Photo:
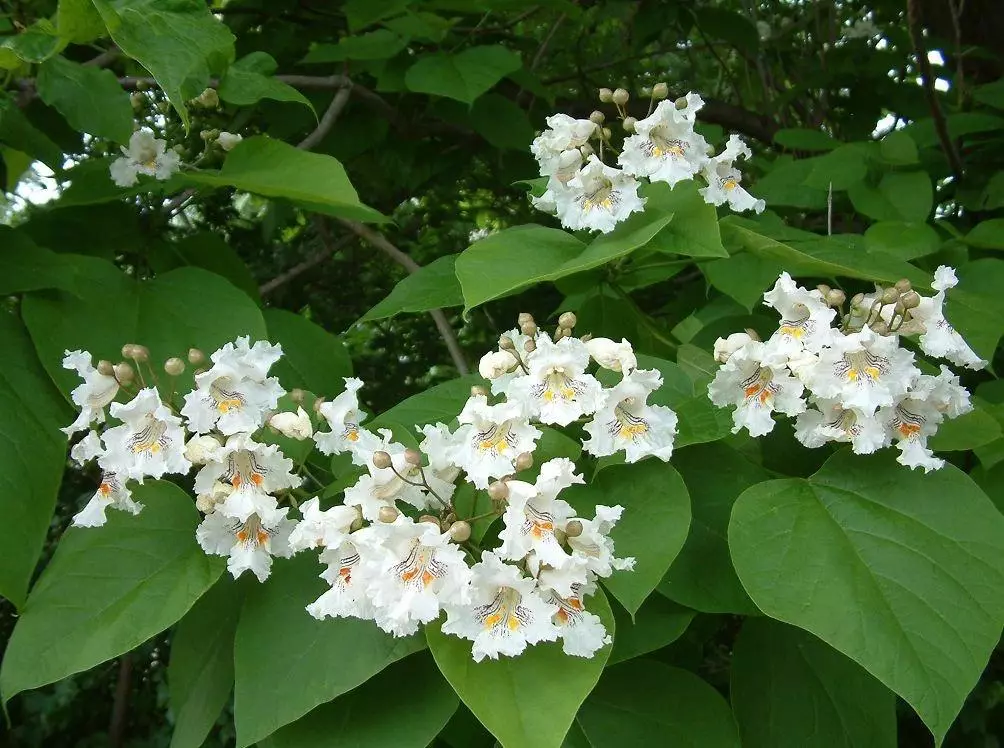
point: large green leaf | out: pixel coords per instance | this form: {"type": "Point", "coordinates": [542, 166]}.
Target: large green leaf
{"type": "Point", "coordinates": [313, 359]}
{"type": "Point", "coordinates": [527, 701]}
{"type": "Point", "coordinates": [249, 80]}
{"type": "Point", "coordinates": [180, 42]}
{"type": "Point", "coordinates": [34, 44]}
{"type": "Point", "coordinates": [902, 572]}
{"type": "Point", "coordinates": [976, 307]}
{"type": "Point", "coordinates": [178, 310]}
{"type": "Point", "coordinates": [360, 717]}
{"type": "Point", "coordinates": [987, 234]}
{"type": "Point", "coordinates": [702, 576]}
{"type": "Point", "coordinates": [463, 76]}
{"type": "Point", "coordinates": [658, 622]}
{"type": "Point", "coordinates": [200, 673]}
{"type": "Point", "coordinates": [25, 266]}
{"type": "Point", "coordinates": [644, 702]}
{"type": "Point", "coordinates": [287, 662]}
{"type": "Point", "coordinates": [79, 21]}
{"type": "Point", "coordinates": [899, 196]}
{"type": "Point", "coordinates": [900, 239]}
{"type": "Point", "coordinates": [440, 403]}
{"type": "Point", "coordinates": [273, 168]}
{"type": "Point", "coordinates": [842, 167]}
{"type": "Point", "coordinates": [435, 286]}
{"type": "Point", "coordinates": [204, 250]}
{"type": "Point", "coordinates": [744, 277]}
{"type": "Point", "coordinates": [789, 688]}
{"type": "Point", "coordinates": [975, 429]}
{"type": "Point", "coordinates": [32, 454]}
{"type": "Point", "coordinates": [109, 589]}
{"type": "Point", "coordinates": [18, 133]}
{"type": "Point", "coordinates": [373, 45]}
{"type": "Point", "coordinates": [694, 228]}
{"type": "Point", "coordinates": [800, 139]}
{"type": "Point", "coordinates": [652, 529]}
{"type": "Point", "coordinates": [91, 99]}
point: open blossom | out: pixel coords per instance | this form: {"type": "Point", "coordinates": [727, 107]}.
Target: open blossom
{"type": "Point", "coordinates": [563, 134]}
{"type": "Point", "coordinates": [345, 434]}
{"type": "Point", "coordinates": [145, 155]}
{"type": "Point", "coordinates": [507, 612]}
{"type": "Point", "coordinates": [228, 140]}
{"type": "Point", "coordinates": [348, 594]}
{"type": "Point", "coordinates": [805, 316]}
{"type": "Point", "coordinates": [829, 421]}
{"type": "Point", "coordinates": [533, 513]}
{"type": "Point", "coordinates": [112, 493]}
{"type": "Point", "coordinates": [724, 179]}
{"type": "Point", "coordinates": [627, 422]}
{"type": "Point", "coordinates": [490, 438]}
{"type": "Point", "coordinates": [236, 393]}
{"type": "Point", "coordinates": [557, 389]}
{"type": "Point", "coordinates": [402, 481]}
{"type": "Point", "coordinates": [665, 147]}
{"type": "Point", "coordinates": [87, 448]}
{"type": "Point", "coordinates": [150, 441]}
{"type": "Point", "coordinates": [592, 548]}
{"type": "Point", "coordinates": [582, 633]}
{"type": "Point", "coordinates": [725, 347]}
{"type": "Point", "coordinates": [249, 543]}
{"type": "Point", "coordinates": [611, 355]}
{"type": "Point", "coordinates": [92, 396]}
{"type": "Point", "coordinates": [757, 381]}
{"type": "Point", "coordinates": [938, 337]}
{"type": "Point", "coordinates": [327, 528]}
{"type": "Point", "coordinates": [598, 198]}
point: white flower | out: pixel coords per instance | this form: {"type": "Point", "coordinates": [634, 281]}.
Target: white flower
{"type": "Point", "coordinates": [626, 421]}
{"type": "Point", "coordinates": [345, 435]}
{"type": "Point", "coordinates": [112, 492]}
{"type": "Point", "coordinates": [725, 347]}
{"type": "Point", "coordinates": [441, 446]}
{"type": "Point", "coordinates": [598, 198]}
{"type": "Point", "coordinates": [202, 449]}
{"type": "Point", "coordinates": [863, 371]}
{"type": "Point", "coordinates": [944, 278]}
{"type": "Point", "coordinates": [501, 383]}
{"type": "Point", "coordinates": [534, 511]}
{"type": "Point", "coordinates": [805, 317]}
{"type": "Point", "coordinates": [613, 356]}
{"type": "Point", "coordinates": [236, 393]}
{"type": "Point", "coordinates": [294, 425]}
{"type": "Point", "coordinates": [861, 29]}
{"type": "Point", "coordinates": [756, 380]}
{"type": "Point", "coordinates": [944, 392]}
{"type": "Point", "coordinates": [506, 613]}
{"type": "Point", "coordinates": [145, 155]}
{"type": "Point", "coordinates": [87, 448]}
{"type": "Point", "coordinates": [347, 597]}
{"type": "Point", "coordinates": [96, 392]}
{"type": "Point", "coordinates": [582, 633]}
{"type": "Point", "coordinates": [401, 482]}
{"type": "Point", "coordinates": [593, 546]}
{"type": "Point", "coordinates": [417, 572]}
{"type": "Point", "coordinates": [723, 179]}
{"type": "Point", "coordinates": [938, 337]}
{"type": "Point", "coordinates": [496, 363]}
{"type": "Point", "coordinates": [829, 421]}
{"type": "Point", "coordinates": [150, 441]}
{"type": "Point", "coordinates": [251, 543]}
{"type": "Point", "coordinates": [254, 470]}
{"type": "Point", "coordinates": [665, 147]}
{"type": "Point", "coordinates": [563, 133]}
{"type": "Point", "coordinates": [763, 30]}
{"type": "Point", "coordinates": [557, 389]}
{"type": "Point", "coordinates": [327, 528]}
{"type": "Point", "coordinates": [911, 422]}
{"type": "Point", "coordinates": [490, 439]}
{"type": "Point", "coordinates": [228, 140]}
{"type": "Point", "coordinates": [208, 500]}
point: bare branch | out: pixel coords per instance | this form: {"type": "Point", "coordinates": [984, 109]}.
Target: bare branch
{"type": "Point", "coordinates": [329, 249]}
{"type": "Point", "coordinates": [328, 119]}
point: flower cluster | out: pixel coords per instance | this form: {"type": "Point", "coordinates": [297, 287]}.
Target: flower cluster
{"type": "Point", "coordinates": [587, 193]}
{"type": "Point", "coordinates": [151, 157]}
{"type": "Point", "coordinates": [853, 383]}
{"type": "Point", "coordinates": [396, 548]}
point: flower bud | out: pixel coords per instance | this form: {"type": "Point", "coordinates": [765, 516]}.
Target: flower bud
{"type": "Point", "coordinates": [505, 343]}
{"type": "Point", "coordinates": [524, 461]}
{"type": "Point", "coordinates": [725, 347]}
{"type": "Point", "coordinates": [478, 391]}
{"type": "Point", "coordinates": [228, 140]}
{"type": "Point", "coordinates": [123, 373]}
{"type": "Point", "coordinates": [523, 318]}
{"type": "Point", "coordinates": [605, 133]}
{"type": "Point", "coordinates": [835, 297]}
{"type": "Point", "coordinates": [879, 327]}
{"type": "Point", "coordinates": [560, 535]}
{"type": "Point", "coordinates": [498, 491]}
{"type": "Point", "coordinates": [318, 403]}
{"type": "Point", "coordinates": [610, 355]}
{"type": "Point", "coordinates": [528, 328]}
{"type": "Point", "coordinates": [660, 91]}
{"type": "Point", "coordinates": [857, 300]}
{"type": "Point", "coordinates": [573, 529]}
{"type": "Point", "coordinates": [597, 117]}
{"type": "Point", "coordinates": [163, 107]}
{"type": "Point", "coordinates": [496, 363]}
{"type": "Point", "coordinates": [823, 289]}
{"type": "Point", "coordinates": [529, 346]}
{"type": "Point", "coordinates": [208, 99]}
{"type": "Point", "coordinates": [628, 124]}
{"type": "Point", "coordinates": [196, 357]}
{"type": "Point", "coordinates": [620, 97]}
{"type": "Point", "coordinates": [413, 457]}
{"type": "Point", "coordinates": [460, 532]}
{"type": "Point", "coordinates": [567, 319]}
{"type": "Point", "coordinates": [381, 460]}
{"type": "Point", "coordinates": [911, 299]}
{"type": "Point", "coordinates": [201, 449]}
{"type": "Point", "coordinates": [560, 333]}
{"type": "Point", "coordinates": [890, 296]}
{"type": "Point", "coordinates": [294, 425]}
{"type": "Point", "coordinates": [903, 285]}
{"type": "Point", "coordinates": [606, 95]}
{"type": "Point", "coordinates": [388, 514]}
{"type": "Point", "coordinates": [106, 368]}
{"type": "Point", "coordinates": [430, 519]}
{"type": "Point", "coordinates": [174, 366]}
{"type": "Point", "coordinates": [586, 150]}
{"type": "Point", "coordinates": [217, 494]}
{"type": "Point", "coordinates": [297, 395]}
{"type": "Point", "coordinates": [681, 103]}
{"type": "Point", "coordinates": [137, 100]}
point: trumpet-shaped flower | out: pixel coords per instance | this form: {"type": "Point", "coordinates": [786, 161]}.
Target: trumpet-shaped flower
{"type": "Point", "coordinates": [582, 633]}
{"type": "Point", "coordinates": [805, 317]}
{"type": "Point", "coordinates": [627, 422]}
{"type": "Point", "coordinates": [724, 179]}
{"type": "Point", "coordinates": [111, 493]}
{"type": "Point", "coordinates": [534, 512]}
{"type": "Point", "coordinates": [563, 134]}
{"type": "Point", "coordinates": [92, 396]}
{"type": "Point", "coordinates": [613, 356]}
{"type": "Point", "coordinates": [347, 596]}
{"type": "Point", "coordinates": [557, 389]}
{"type": "Point", "coordinates": [593, 546]}
{"type": "Point", "coordinates": [664, 146]}
{"type": "Point", "coordinates": [344, 416]}
{"type": "Point", "coordinates": [150, 441]}
{"type": "Point", "coordinates": [829, 421]}
{"type": "Point", "coordinates": [250, 543]}
{"type": "Point", "coordinates": [322, 528]}
{"type": "Point", "coordinates": [145, 155]}
{"type": "Point", "coordinates": [490, 438]}
{"type": "Point", "coordinates": [598, 198]}
{"type": "Point", "coordinates": [938, 338]}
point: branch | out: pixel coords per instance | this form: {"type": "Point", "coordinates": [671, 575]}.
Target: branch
{"type": "Point", "coordinates": [120, 704]}
{"type": "Point", "coordinates": [543, 45]}
{"type": "Point", "coordinates": [927, 81]}
{"type": "Point", "coordinates": [378, 240]}
{"type": "Point", "coordinates": [329, 250]}
{"type": "Point", "coordinates": [328, 119]}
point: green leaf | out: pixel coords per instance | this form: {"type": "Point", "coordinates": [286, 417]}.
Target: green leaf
{"type": "Point", "coordinates": [78, 21]}
{"type": "Point", "coordinates": [987, 234]}
{"type": "Point", "coordinates": [975, 307]}
{"type": "Point", "coordinates": [109, 589]}
{"type": "Point", "coordinates": [106, 231]}
{"type": "Point", "coordinates": [644, 702]}
{"type": "Point", "coordinates": [501, 122]}
{"type": "Point", "coordinates": [249, 80]}
{"type": "Point", "coordinates": [992, 196]}
{"type": "Point", "coordinates": [207, 251]}
{"type": "Point", "coordinates": [800, 139]}
{"type": "Point", "coordinates": [701, 421]}
{"type": "Point", "coordinates": [652, 529]}
{"type": "Point", "coordinates": [91, 99]}
{"type": "Point", "coordinates": [18, 133]}
{"type": "Point", "coordinates": [182, 309]}
{"type": "Point", "coordinates": [906, 241]}
{"type": "Point", "coordinates": [784, 185]}
{"type": "Point", "coordinates": [363, 13]}
{"type": "Point", "coordinates": [35, 44]}
{"type": "Point", "coordinates": [702, 576]}
{"type": "Point", "coordinates": [313, 359]}
{"type": "Point", "coordinates": [200, 672]}
{"type": "Point", "coordinates": [24, 266]}
{"type": "Point", "coordinates": [694, 229]}
{"type": "Point", "coordinates": [527, 701]}
{"type": "Point", "coordinates": [180, 42]}
{"type": "Point", "coordinates": [273, 168]}
{"type": "Point", "coordinates": [440, 403]}
{"type": "Point", "coordinates": [842, 167]}
{"type": "Point", "coordinates": [900, 196]}
{"type": "Point", "coordinates": [872, 559]}
{"type": "Point", "coordinates": [359, 718]}
{"type": "Point", "coordinates": [373, 45]}
{"type": "Point", "coordinates": [286, 662]}
{"type": "Point", "coordinates": [730, 26]}
{"type": "Point", "coordinates": [657, 623]}
{"type": "Point", "coordinates": [744, 277]}
{"type": "Point", "coordinates": [789, 688]}
{"type": "Point", "coordinates": [899, 149]}
{"type": "Point", "coordinates": [435, 286]}
{"type": "Point", "coordinates": [463, 76]}
{"type": "Point", "coordinates": [32, 456]}
{"type": "Point", "coordinates": [974, 429]}
{"type": "Point", "coordinates": [420, 26]}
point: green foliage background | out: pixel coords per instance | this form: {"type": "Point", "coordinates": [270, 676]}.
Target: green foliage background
{"type": "Point", "coordinates": [852, 601]}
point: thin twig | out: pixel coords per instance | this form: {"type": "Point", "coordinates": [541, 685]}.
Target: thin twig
{"type": "Point", "coordinates": [927, 82]}
{"type": "Point", "coordinates": [378, 240]}
{"type": "Point", "coordinates": [329, 249]}
{"type": "Point", "coordinates": [105, 58]}
{"type": "Point", "coordinates": [327, 119]}
{"type": "Point", "coordinates": [543, 45]}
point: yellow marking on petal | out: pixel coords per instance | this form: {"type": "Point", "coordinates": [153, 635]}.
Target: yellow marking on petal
{"type": "Point", "coordinates": [225, 406]}
{"type": "Point", "coordinates": [907, 430]}
{"type": "Point", "coordinates": [730, 184]}
{"type": "Point", "coordinates": [632, 430]}
{"type": "Point", "coordinates": [493, 620]}
{"type": "Point", "coordinates": [795, 332]}
{"type": "Point", "coordinates": [104, 489]}
{"type": "Point", "coordinates": [352, 436]}
{"type": "Point", "coordinates": [872, 372]}
{"type": "Point", "coordinates": [513, 623]}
